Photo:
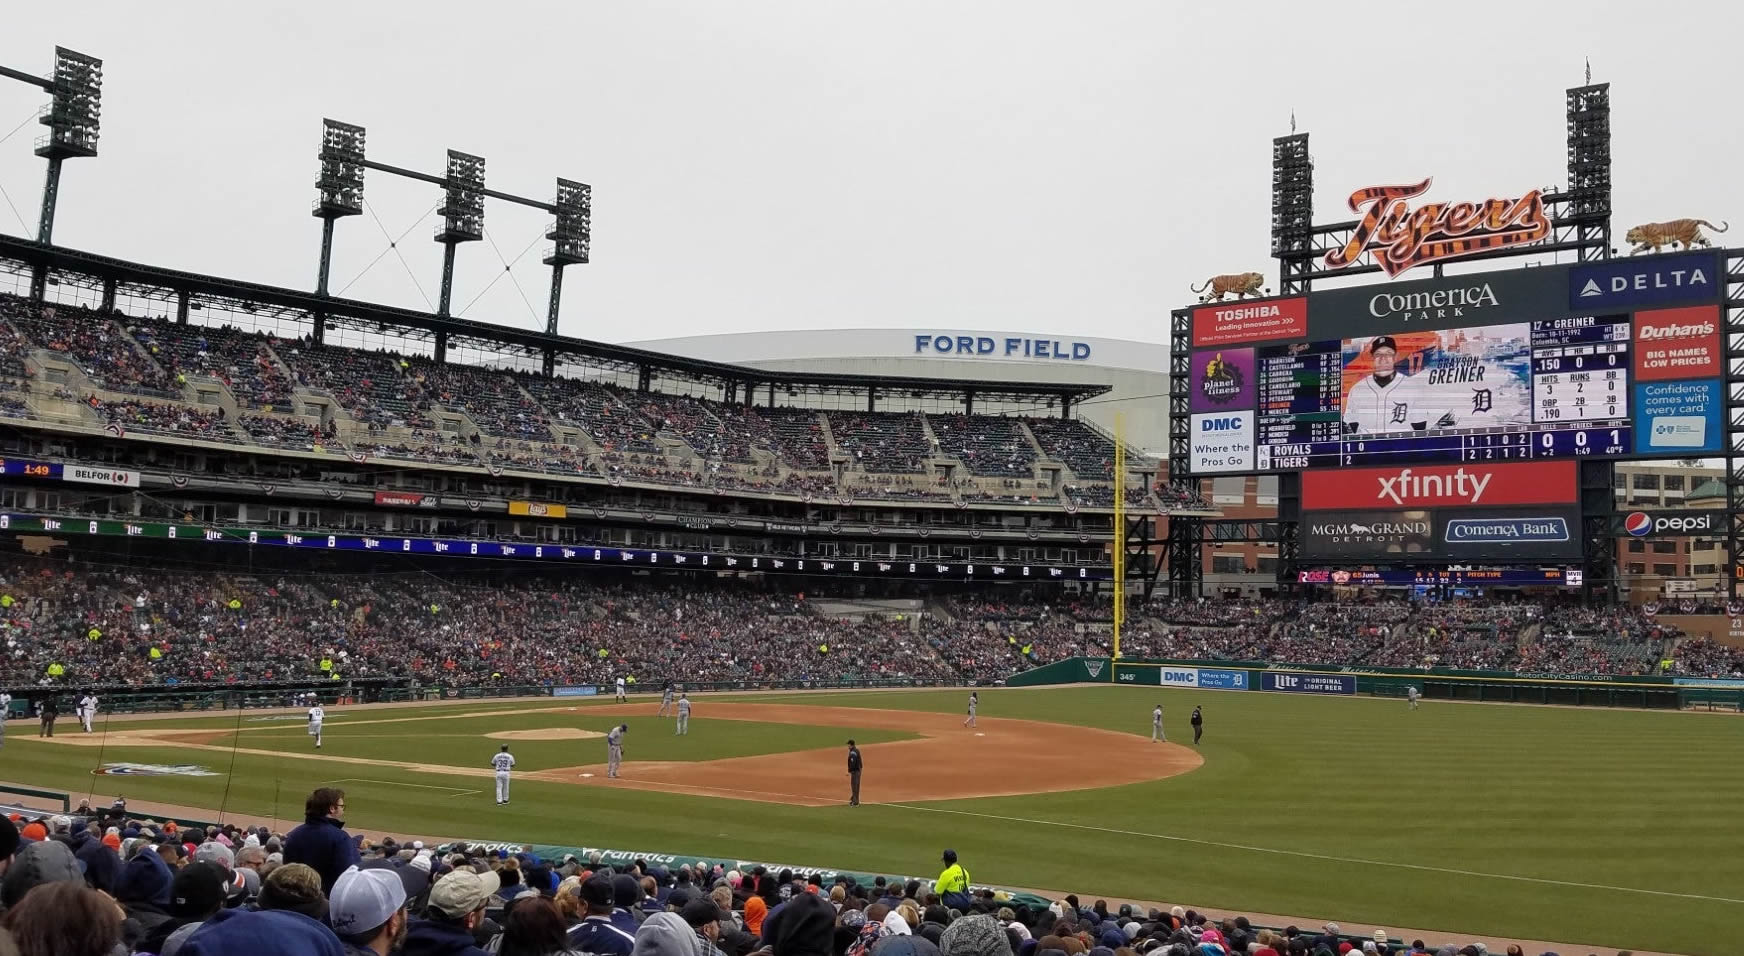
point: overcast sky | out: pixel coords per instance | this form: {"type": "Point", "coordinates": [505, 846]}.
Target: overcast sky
{"type": "Point", "coordinates": [1062, 168]}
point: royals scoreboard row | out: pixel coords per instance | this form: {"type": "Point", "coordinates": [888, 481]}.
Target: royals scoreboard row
{"type": "Point", "coordinates": [1620, 358]}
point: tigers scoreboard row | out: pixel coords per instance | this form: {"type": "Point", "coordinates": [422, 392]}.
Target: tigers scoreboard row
{"type": "Point", "coordinates": [1620, 358]}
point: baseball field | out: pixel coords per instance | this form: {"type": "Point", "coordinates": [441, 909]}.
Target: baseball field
{"type": "Point", "coordinates": [1604, 827]}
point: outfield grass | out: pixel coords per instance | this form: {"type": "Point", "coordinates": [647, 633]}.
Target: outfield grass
{"type": "Point", "coordinates": [1583, 825]}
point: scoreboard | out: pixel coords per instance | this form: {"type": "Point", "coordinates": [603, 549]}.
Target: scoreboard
{"type": "Point", "coordinates": [1542, 363]}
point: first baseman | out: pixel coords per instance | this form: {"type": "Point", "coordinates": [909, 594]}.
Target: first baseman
{"type": "Point", "coordinates": [615, 749]}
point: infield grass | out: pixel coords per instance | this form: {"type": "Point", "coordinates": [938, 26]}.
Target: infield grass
{"type": "Point", "coordinates": [1612, 827]}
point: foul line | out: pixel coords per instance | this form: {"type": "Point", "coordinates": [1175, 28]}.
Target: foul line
{"type": "Point", "coordinates": [1322, 856]}
{"type": "Point", "coordinates": [458, 791]}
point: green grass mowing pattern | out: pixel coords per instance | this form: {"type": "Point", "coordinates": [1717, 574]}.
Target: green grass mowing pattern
{"type": "Point", "coordinates": [1611, 797]}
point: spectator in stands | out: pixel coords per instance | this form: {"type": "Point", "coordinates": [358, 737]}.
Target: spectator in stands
{"type": "Point", "coordinates": [534, 927]}
{"type": "Point", "coordinates": [367, 911]}
{"type": "Point", "coordinates": [321, 842]}
{"type": "Point", "coordinates": [262, 932]}
{"type": "Point", "coordinates": [457, 904]}
{"type": "Point", "coordinates": [63, 918]}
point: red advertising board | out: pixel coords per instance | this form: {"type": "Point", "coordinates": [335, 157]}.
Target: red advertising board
{"type": "Point", "coordinates": [1677, 343]}
{"type": "Point", "coordinates": [1238, 321]}
{"type": "Point", "coordinates": [405, 499]}
{"type": "Point", "coordinates": [1440, 486]}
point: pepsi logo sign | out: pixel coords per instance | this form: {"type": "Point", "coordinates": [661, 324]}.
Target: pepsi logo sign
{"type": "Point", "coordinates": [1638, 524]}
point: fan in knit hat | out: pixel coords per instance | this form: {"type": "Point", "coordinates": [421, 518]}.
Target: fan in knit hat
{"type": "Point", "coordinates": [975, 936]}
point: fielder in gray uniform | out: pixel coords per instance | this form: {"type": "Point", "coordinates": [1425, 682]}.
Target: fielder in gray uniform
{"type": "Point", "coordinates": [683, 715]}
{"type": "Point", "coordinates": [1157, 725]}
{"type": "Point", "coordinates": [974, 701]}
{"type": "Point", "coordinates": [615, 749]}
{"type": "Point", "coordinates": [665, 700]}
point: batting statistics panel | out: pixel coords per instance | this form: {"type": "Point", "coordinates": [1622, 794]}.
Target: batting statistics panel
{"type": "Point", "coordinates": [1613, 359]}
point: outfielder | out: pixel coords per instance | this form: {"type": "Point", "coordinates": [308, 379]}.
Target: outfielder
{"type": "Point", "coordinates": [503, 761]}
{"type": "Point", "coordinates": [974, 700]}
{"type": "Point", "coordinates": [615, 749]}
{"type": "Point", "coordinates": [87, 711]}
{"type": "Point", "coordinates": [665, 700]}
{"type": "Point", "coordinates": [621, 696]}
{"type": "Point", "coordinates": [1411, 695]}
{"type": "Point", "coordinates": [5, 712]}
{"type": "Point", "coordinates": [683, 715]}
{"type": "Point", "coordinates": [1157, 725]}
{"type": "Point", "coordinates": [316, 715]}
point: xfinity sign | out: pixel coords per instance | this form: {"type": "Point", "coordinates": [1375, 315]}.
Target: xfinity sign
{"type": "Point", "coordinates": [1681, 278]}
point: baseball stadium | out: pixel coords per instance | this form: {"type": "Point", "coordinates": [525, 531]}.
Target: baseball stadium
{"type": "Point", "coordinates": [1386, 605]}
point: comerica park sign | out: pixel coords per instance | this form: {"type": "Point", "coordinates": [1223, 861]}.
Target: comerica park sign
{"type": "Point", "coordinates": [1400, 238]}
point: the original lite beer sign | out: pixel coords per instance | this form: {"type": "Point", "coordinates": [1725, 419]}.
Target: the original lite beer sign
{"type": "Point", "coordinates": [1400, 238]}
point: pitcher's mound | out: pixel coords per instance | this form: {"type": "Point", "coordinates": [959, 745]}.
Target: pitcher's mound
{"type": "Point", "coordinates": [545, 733]}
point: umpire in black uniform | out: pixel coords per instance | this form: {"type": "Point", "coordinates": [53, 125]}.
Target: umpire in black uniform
{"type": "Point", "coordinates": [853, 774]}
{"type": "Point", "coordinates": [47, 711]}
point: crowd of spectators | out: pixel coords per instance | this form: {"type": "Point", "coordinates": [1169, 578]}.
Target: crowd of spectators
{"type": "Point", "coordinates": [110, 882]}
{"type": "Point", "coordinates": [990, 445]}
{"type": "Point", "coordinates": [489, 397]}
{"type": "Point", "coordinates": [1082, 448]}
{"type": "Point", "coordinates": [276, 431]}
{"type": "Point", "coordinates": [243, 361]}
{"type": "Point", "coordinates": [882, 443]}
{"type": "Point", "coordinates": [177, 418]}
{"type": "Point", "coordinates": [371, 385]}
{"type": "Point", "coordinates": [1705, 657]}
{"type": "Point", "coordinates": [92, 340]}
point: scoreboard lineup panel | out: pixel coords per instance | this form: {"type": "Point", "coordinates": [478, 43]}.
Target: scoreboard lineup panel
{"type": "Point", "coordinates": [1554, 362]}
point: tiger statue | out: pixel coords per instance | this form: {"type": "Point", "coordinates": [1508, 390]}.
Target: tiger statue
{"type": "Point", "coordinates": [1653, 235]}
{"type": "Point", "coordinates": [1242, 284]}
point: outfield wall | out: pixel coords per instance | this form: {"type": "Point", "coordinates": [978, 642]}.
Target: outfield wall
{"type": "Point", "coordinates": [1668, 693]}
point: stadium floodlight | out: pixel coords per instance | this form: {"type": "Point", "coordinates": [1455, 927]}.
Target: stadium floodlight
{"type": "Point", "coordinates": [339, 190]}
{"type": "Point", "coordinates": [1292, 204]}
{"type": "Point", "coordinates": [73, 117]}
{"type": "Point", "coordinates": [572, 234]}
{"type": "Point", "coordinates": [462, 217]}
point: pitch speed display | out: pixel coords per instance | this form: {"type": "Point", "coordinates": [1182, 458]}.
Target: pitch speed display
{"type": "Point", "coordinates": [1497, 367]}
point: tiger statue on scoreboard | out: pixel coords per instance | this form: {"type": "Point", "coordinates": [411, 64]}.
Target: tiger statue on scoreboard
{"type": "Point", "coordinates": [1654, 235]}
{"type": "Point", "coordinates": [1242, 284]}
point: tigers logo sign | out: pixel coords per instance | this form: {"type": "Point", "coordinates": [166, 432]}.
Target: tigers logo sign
{"type": "Point", "coordinates": [1400, 238]}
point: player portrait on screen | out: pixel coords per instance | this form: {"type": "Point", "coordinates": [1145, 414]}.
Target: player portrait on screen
{"type": "Point", "coordinates": [1426, 381]}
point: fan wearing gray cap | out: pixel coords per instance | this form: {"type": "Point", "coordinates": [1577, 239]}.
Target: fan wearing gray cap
{"type": "Point", "coordinates": [457, 903]}
{"type": "Point", "coordinates": [368, 911]}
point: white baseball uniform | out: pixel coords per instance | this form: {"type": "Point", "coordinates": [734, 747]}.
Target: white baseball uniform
{"type": "Point", "coordinates": [621, 695]}
{"type": "Point", "coordinates": [316, 715]}
{"type": "Point", "coordinates": [1157, 724]}
{"type": "Point", "coordinates": [970, 720]}
{"type": "Point", "coordinates": [1398, 406]}
{"type": "Point", "coordinates": [5, 713]}
{"type": "Point", "coordinates": [87, 711]}
{"type": "Point", "coordinates": [614, 750]}
{"type": "Point", "coordinates": [665, 702]}
{"type": "Point", "coordinates": [503, 761]}
{"type": "Point", "coordinates": [683, 716]}
{"type": "Point", "coordinates": [1411, 695]}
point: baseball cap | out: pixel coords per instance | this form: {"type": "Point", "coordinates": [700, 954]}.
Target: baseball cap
{"type": "Point", "coordinates": [199, 889]}
{"type": "Point", "coordinates": [211, 852]}
{"type": "Point", "coordinates": [1383, 342]}
{"type": "Point", "coordinates": [364, 899]}
{"type": "Point", "coordinates": [463, 891]}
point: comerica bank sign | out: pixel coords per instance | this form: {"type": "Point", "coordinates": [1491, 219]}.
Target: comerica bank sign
{"type": "Point", "coordinates": [1002, 347]}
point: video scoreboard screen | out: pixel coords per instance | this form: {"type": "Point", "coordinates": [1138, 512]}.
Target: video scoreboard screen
{"type": "Point", "coordinates": [1498, 367]}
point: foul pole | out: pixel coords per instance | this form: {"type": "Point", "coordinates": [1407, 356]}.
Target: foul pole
{"type": "Point", "coordinates": [1119, 540]}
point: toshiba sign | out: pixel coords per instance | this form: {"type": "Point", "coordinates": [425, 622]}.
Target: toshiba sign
{"type": "Point", "coordinates": [1250, 321]}
{"type": "Point", "coordinates": [1440, 486]}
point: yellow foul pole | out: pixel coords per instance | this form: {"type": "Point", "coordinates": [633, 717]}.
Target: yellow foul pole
{"type": "Point", "coordinates": [1119, 554]}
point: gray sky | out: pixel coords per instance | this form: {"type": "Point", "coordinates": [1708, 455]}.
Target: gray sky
{"type": "Point", "coordinates": [1064, 168]}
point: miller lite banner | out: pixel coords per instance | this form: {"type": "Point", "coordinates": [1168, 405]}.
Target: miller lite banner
{"type": "Point", "coordinates": [1467, 485]}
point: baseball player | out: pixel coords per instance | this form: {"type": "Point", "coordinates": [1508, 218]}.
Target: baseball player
{"type": "Point", "coordinates": [615, 748]}
{"type": "Point", "coordinates": [5, 712]}
{"type": "Point", "coordinates": [503, 761]}
{"type": "Point", "coordinates": [87, 711]}
{"type": "Point", "coordinates": [1385, 401]}
{"type": "Point", "coordinates": [974, 700]}
{"type": "Point", "coordinates": [1157, 725]}
{"type": "Point", "coordinates": [665, 700]}
{"type": "Point", "coordinates": [316, 715]}
{"type": "Point", "coordinates": [621, 695]}
{"type": "Point", "coordinates": [1198, 722]}
{"type": "Point", "coordinates": [683, 716]}
{"type": "Point", "coordinates": [1411, 695]}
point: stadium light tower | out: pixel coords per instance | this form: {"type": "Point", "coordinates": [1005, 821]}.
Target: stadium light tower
{"type": "Point", "coordinates": [73, 117]}
{"type": "Point", "coordinates": [462, 215]}
{"type": "Point", "coordinates": [340, 188]}
{"type": "Point", "coordinates": [572, 233]}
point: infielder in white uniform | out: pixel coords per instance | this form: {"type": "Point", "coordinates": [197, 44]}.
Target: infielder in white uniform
{"type": "Point", "coordinates": [316, 715]}
{"type": "Point", "coordinates": [503, 761]}
{"type": "Point", "coordinates": [621, 696]}
{"type": "Point", "coordinates": [974, 700]}
{"type": "Point", "coordinates": [87, 711]}
{"type": "Point", "coordinates": [615, 748]}
{"type": "Point", "coordinates": [1157, 725]}
{"type": "Point", "coordinates": [5, 712]}
{"type": "Point", "coordinates": [1385, 401]}
{"type": "Point", "coordinates": [683, 715]}
{"type": "Point", "coordinates": [1411, 695]}
{"type": "Point", "coordinates": [665, 700]}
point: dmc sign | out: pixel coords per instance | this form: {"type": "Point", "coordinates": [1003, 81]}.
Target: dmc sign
{"type": "Point", "coordinates": [1009, 347]}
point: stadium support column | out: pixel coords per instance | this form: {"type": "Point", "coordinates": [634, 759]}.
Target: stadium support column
{"type": "Point", "coordinates": [1598, 504]}
{"type": "Point", "coordinates": [1733, 342]}
{"type": "Point", "coordinates": [442, 344]}
{"type": "Point", "coordinates": [462, 216]}
{"type": "Point", "coordinates": [572, 233]}
{"type": "Point", "coordinates": [1186, 533]}
{"type": "Point", "coordinates": [1289, 530]}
